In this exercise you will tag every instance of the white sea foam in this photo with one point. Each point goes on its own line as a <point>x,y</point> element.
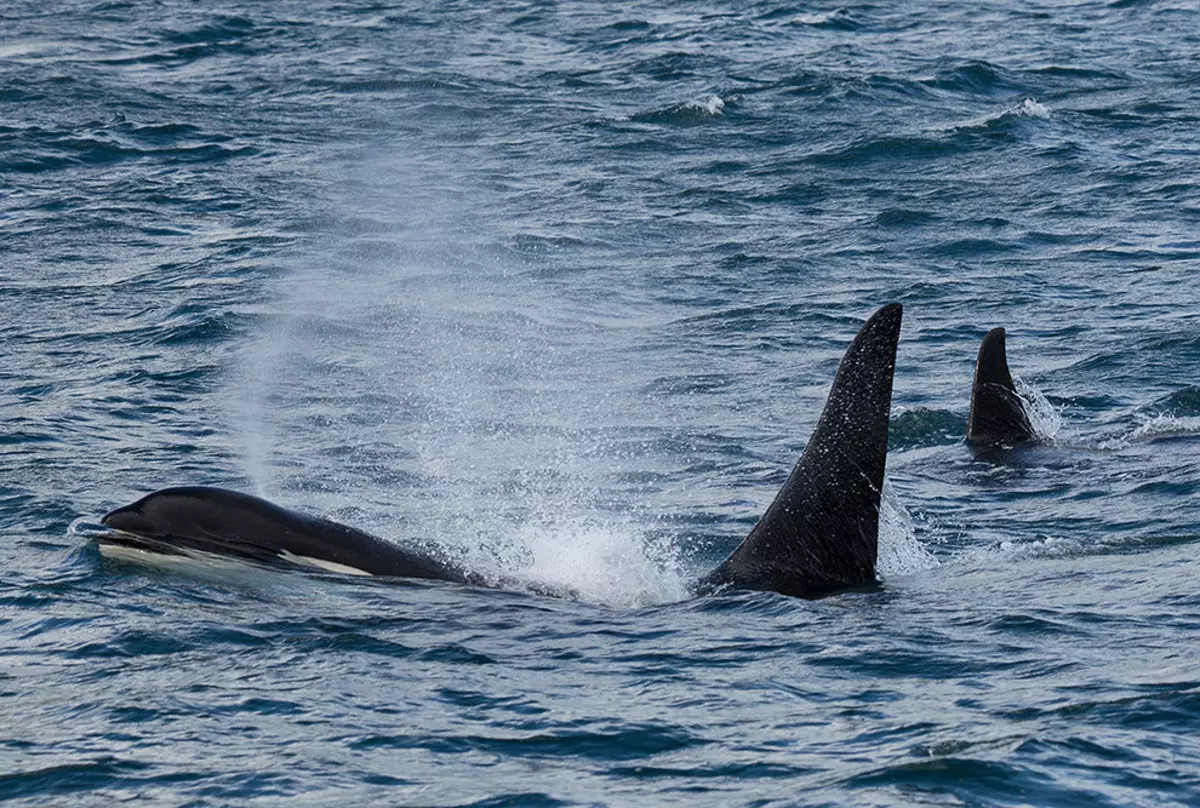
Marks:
<point>1044,417</point>
<point>1030,108</point>
<point>605,564</point>
<point>1041,547</point>
<point>1163,425</point>
<point>713,105</point>
<point>900,551</point>
<point>615,564</point>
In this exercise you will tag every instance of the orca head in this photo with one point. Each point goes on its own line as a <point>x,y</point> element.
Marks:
<point>229,523</point>
<point>190,512</point>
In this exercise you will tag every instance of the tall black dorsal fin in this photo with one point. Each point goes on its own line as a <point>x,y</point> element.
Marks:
<point>821,533</point>
<point>998,416</point>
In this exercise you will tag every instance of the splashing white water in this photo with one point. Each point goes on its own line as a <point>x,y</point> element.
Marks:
<point>713,105</point>
<point>1032,109</point>
<point>1044,417</point>
<point>612,565</point>
<point>900,552</point>
<point>445,395</point>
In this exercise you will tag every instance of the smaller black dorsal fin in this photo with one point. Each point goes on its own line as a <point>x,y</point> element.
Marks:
<point>998,416</point>
<point>821,533</point>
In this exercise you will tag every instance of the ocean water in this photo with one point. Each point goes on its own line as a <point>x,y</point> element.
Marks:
<point>559,289</point>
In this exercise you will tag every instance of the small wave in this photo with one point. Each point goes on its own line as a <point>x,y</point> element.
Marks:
<point>837,20</point>
<point>690,112</point>
<point>885,148</point>
<point>224,36</point>
<point>1030,108</point>
<point>1157,427</point>
<point>713,105</point>
<point>197,328</point>
<point>904,217</point>
<point>679,66</point>
<point>970,248</point>
<point>221,29</point>
<point>1003,124</point>
<point>795,194</point>
<point>1183,403</point>
<point>1049,546</point>
<point>81,776</point>
<point>103,145</point>
<point>1040,547</point>
<point>84,529</point>
<point>976,77</point>
<point>991,781</point>
<point>699,383</point>
<point>628,25</point>
<point>614,743</point>
<point>921,427</point>
<point>987,132</point>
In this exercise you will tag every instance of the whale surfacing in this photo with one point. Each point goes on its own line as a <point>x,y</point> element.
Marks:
<point>216,521</point>
<point>820,535</point>
<point>998,416</point>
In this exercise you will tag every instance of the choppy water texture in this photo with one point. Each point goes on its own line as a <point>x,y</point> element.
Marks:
<point>559,289</point>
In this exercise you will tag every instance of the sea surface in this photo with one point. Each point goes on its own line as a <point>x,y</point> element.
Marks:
<point>558,290</point>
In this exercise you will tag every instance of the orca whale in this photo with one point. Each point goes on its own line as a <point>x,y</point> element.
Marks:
<point>998,416</point>
<point>204,519</point>
<point>820,535</point>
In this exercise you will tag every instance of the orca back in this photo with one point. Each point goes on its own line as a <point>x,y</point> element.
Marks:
<point>998,416</point>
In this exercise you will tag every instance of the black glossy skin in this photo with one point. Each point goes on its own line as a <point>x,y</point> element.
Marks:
<point>820,534</point>
<point>998,416</point>
<point>229,523</point>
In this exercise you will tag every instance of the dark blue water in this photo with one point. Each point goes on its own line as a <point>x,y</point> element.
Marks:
<point>559,289</point>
